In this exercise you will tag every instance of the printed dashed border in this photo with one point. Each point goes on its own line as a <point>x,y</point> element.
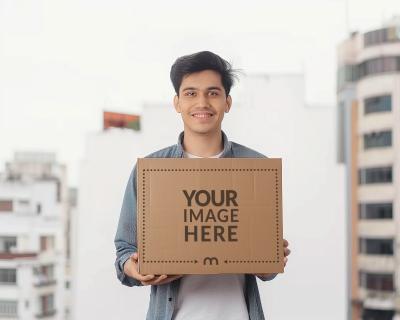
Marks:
<point>209,169</point>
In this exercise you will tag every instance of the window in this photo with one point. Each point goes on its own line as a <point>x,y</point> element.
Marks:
<point>8,308</point>
<point>47,243</point>
<point>393,33</point>
<point>376,281</point>
<point>58,193</point>
<point>376,246</point>
<point>378,104</point>
<point>8,276</point>
<point>6,205</point>
<point>44,275</point>
<point>375,175</point>
<point>378,65</point>
<point>375,210</point>
<point>378,139</point>
<point>47,271</point>
<point>352,73</point>
<point>47,304</point>
<point>7,244</point>
<point>347,73</point>
<point>375,37</point>
<point>386,35</point>
<point>373,314</point>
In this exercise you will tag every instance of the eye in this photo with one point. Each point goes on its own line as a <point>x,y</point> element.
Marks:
<point>190,93</point>
<point>213,93</point>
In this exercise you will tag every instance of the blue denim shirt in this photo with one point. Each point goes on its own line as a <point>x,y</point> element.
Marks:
<point>163,297</point>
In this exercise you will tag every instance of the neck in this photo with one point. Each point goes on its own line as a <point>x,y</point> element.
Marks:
<point>203,145</point>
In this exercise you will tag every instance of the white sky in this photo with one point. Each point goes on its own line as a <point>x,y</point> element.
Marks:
<point>63,62</point>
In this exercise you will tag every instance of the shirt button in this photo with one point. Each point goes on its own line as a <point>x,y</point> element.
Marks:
<point>169,299</point>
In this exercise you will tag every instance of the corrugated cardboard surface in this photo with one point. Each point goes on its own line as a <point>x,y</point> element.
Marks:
<point>239,229</point>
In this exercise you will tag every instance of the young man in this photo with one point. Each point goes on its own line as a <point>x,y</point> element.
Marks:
<point>202,82</point>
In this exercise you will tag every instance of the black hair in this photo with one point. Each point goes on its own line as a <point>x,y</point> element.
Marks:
<point>204,60</point>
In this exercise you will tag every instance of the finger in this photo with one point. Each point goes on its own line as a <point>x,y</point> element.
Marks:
<point>145,278</point>
<point>285,260</point>
<point>286,251</point>
<point>155,280</point>
<point>285,243</point>
<point>158,281</point>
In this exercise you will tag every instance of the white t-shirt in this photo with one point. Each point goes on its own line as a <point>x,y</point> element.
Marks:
<point>211,297</point>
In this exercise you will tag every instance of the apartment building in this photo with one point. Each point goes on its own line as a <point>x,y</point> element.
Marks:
<point>368,94</point>
<point>33,212</point>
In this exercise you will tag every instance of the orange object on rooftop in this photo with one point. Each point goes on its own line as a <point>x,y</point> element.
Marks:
<point>120,120</point>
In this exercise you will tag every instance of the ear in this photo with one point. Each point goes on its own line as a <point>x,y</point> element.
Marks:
<point>176,104</point>
<point>228,103</point>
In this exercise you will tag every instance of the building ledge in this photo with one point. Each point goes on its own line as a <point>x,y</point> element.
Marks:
<point>20,255</point>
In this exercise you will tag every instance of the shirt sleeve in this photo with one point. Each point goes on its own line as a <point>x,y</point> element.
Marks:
<point>125,239</point>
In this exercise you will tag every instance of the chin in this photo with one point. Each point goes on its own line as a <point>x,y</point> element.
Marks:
<point>203,130</point>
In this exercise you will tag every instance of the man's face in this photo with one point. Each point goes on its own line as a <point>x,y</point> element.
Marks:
<point>202,102</point>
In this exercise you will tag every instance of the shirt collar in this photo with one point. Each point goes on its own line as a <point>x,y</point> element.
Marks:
<point>226,153</point>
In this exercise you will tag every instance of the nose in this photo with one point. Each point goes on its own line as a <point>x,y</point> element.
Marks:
<point>203,100</point>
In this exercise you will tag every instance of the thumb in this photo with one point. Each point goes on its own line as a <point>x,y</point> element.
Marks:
<point>135,256</point>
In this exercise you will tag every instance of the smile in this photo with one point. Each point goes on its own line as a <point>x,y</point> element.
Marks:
<point>202,115</point>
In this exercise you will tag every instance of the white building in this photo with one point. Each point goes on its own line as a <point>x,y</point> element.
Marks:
<point>369,144</point>
<point>269,115</point>
<point>32,239</point>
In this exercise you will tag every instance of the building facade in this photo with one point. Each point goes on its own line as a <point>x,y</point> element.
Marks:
<point>368,94</point>
<point>33,211</point>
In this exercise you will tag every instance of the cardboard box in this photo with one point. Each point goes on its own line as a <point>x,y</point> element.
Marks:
<point>208,216</point>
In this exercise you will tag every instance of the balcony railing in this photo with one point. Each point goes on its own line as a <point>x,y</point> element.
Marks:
<point>377,263</point>
<point>46,314</point>
<point>43,281</point>
<point>377,294</point>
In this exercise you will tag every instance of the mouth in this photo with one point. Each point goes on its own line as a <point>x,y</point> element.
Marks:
<point>202,115</point>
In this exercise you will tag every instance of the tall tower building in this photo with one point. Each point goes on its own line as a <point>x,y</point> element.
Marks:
<point>368,94</point>
<point>33,211</point>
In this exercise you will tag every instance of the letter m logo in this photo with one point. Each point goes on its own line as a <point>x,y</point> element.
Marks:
<point>210,261</point>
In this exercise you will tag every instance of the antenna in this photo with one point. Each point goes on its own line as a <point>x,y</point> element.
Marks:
<point>347,23</point>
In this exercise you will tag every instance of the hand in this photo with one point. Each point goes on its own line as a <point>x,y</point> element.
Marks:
<point>131,270</point>
<point>286,252</point>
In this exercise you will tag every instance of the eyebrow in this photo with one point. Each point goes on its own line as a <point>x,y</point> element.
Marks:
<point>209,88</point>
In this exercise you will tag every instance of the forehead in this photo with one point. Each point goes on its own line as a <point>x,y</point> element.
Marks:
<point>202,80</point>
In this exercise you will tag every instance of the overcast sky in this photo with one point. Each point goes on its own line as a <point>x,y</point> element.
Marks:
<point>63,62</point>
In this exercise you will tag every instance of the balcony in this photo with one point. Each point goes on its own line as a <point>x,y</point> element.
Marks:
<point>44,283</point>
<point>46,314</point>
<point>376,263</point>
<point>42,280</point>
<point>381,300</point>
